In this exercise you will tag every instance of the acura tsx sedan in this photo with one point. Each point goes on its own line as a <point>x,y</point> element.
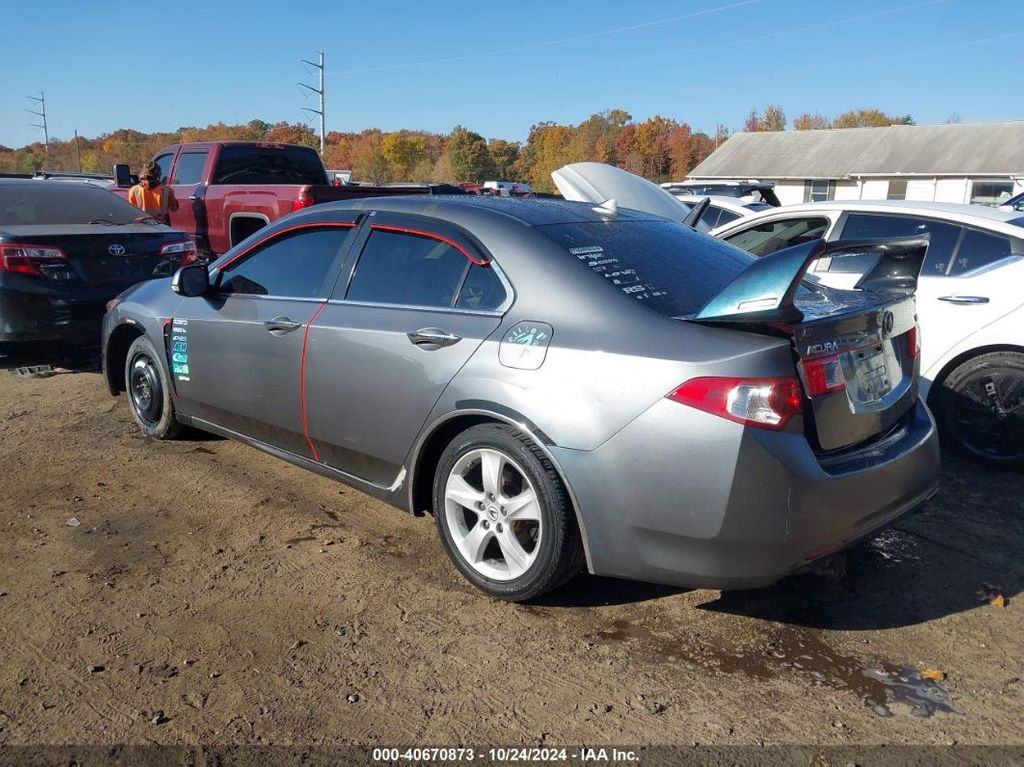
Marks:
<point>557,383</point>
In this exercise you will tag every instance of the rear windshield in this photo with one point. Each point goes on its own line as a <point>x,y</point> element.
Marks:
<point>269,165</point>
<point>61,202</point>
<point>668,267</point>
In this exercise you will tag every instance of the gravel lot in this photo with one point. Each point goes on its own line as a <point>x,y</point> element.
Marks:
<point>202,592</point>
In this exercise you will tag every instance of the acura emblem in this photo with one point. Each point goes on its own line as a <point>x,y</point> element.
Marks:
<point>116,250</point>
<point>887,323</point>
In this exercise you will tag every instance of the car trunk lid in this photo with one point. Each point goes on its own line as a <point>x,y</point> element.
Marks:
<point>101,254</point>
<point>855,352</point>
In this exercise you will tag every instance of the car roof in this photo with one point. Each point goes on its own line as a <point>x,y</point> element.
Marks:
<point>722,201</point>
<point>1005,221</point>
<point>36,183</point>
<point>468,209</point>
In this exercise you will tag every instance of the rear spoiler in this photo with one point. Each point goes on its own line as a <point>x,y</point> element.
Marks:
<point>764,292</point>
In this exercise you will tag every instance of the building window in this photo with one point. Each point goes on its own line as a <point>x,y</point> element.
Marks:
<point>897,190</point>
<point>991,192</point>
<point>819,190</point>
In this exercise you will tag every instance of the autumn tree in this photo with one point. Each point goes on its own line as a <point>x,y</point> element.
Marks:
<point>808,121</point>
<point>404,152</point>
<point>773,119</point>
<point>503,156</point>
<point>870,118</point>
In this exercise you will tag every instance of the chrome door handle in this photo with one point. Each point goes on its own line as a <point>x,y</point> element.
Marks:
<point>432,337</point>
<point>965,299</point>
<point>281,325</point>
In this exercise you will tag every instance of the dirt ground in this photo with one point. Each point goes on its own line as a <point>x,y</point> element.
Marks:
<point>200,592</point>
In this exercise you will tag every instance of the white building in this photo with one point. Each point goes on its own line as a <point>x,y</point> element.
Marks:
<point>980,163</point>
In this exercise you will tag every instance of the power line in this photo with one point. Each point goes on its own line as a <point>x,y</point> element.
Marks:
<point>320,92</point>
<point>41,99</point>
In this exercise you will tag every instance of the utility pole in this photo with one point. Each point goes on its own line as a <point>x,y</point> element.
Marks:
<point>41,99</point>
<point>320,92</point>
<point>78,151</point>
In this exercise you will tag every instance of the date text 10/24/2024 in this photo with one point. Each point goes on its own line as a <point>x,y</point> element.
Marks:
<point>505,754</point>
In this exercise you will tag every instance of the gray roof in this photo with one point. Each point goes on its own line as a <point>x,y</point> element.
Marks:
<point>978,149</point>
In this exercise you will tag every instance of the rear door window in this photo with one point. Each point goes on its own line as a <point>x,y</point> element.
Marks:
<point>482,290</point>
<point>407,269</point>
<point>299,264</point>
<point>668,267</point>
<point>980,249</point>
<point>269,164</point>
<point>860,226</point>
<point>770,236</point>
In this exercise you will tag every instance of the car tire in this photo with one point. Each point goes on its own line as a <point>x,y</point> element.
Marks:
<point>149,391</point>
<point>981,408</point>
<point>503,515</point>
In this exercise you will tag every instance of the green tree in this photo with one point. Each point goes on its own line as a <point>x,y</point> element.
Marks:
<point>468,155</point>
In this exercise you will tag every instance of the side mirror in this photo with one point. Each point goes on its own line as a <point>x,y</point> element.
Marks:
<point>191,281</point>
<point>122,175</point>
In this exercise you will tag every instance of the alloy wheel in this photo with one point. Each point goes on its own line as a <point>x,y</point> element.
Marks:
<point>493,513</point>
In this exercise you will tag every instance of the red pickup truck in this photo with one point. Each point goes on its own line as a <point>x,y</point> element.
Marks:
<point>226,190</point>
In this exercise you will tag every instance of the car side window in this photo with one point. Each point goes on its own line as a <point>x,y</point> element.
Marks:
<point>771,236</point>
<point>709,219</point>
<point>190,168</point>
<point>164,161</point>
<point>407,269</point>
<point>860,226</point>
<point>726,217</point>
<point>482,290</point>
<point>294,265</point>
<point>980,249</point>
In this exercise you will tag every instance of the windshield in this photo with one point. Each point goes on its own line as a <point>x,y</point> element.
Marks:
<point>51,202</point>
<point>668,267</point>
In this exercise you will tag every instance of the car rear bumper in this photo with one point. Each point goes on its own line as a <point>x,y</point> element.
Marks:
<point>43,312</point>
<point>685,498</point>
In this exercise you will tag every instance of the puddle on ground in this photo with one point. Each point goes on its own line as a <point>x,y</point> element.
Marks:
<point>802,653</point>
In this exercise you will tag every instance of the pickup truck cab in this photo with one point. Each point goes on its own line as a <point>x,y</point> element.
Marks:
<point>226,190</point>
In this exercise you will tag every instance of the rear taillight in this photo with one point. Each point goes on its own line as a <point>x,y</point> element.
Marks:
<point>823,375</point>
<point>304,200</point>
<point>914,342</point>
<point>186,248</point>
<point>766,403</point>
<point>30,259</point>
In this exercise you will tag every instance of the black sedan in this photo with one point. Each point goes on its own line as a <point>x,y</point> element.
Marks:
<point>68,248</point>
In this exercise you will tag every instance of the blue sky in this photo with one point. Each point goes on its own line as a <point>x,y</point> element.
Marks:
<point>498,67</point>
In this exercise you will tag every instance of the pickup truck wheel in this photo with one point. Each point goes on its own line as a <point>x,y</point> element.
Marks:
<point>503,515</point>
<point>981,408</point>
<point>149,391</point>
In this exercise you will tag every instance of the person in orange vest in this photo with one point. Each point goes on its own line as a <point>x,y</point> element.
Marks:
<point>152,195</point>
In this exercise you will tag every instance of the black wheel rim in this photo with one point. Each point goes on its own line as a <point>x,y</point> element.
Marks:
<point>146,390</point>
<point>987,413</point>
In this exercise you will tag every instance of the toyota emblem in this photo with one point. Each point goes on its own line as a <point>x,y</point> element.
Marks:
<point>116,250</point>
<point>887,323</point>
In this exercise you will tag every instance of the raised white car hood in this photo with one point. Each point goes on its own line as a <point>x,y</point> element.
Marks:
<point>596,183</point>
